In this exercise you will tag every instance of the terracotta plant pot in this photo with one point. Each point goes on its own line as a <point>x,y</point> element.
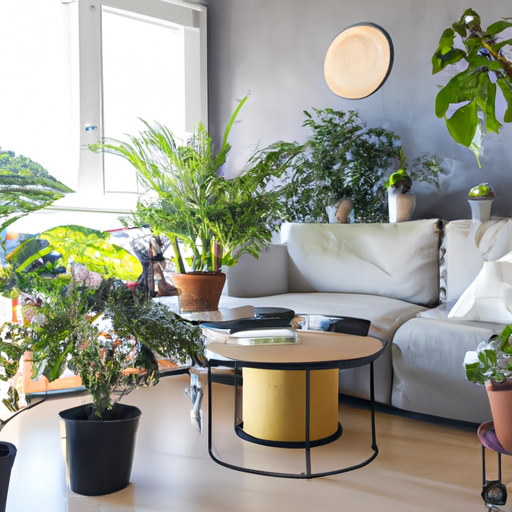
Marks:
<point>500,399</point>
<point>199,291</point>
<point>343,209</point>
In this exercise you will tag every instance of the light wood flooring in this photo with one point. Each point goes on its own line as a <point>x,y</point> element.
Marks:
<point>421,466</point>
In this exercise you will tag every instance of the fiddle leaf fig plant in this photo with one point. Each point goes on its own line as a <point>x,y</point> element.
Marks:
<point>473,90</point>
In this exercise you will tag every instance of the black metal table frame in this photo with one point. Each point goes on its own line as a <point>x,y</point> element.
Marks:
<point>307,367</point>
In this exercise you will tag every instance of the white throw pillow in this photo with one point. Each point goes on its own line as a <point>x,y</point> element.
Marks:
<point>489,297</point>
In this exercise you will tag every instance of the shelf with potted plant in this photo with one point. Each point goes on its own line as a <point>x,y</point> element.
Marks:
<point>209,219</point>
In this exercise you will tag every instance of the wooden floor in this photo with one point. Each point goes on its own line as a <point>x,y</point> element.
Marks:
<point>421,466</point>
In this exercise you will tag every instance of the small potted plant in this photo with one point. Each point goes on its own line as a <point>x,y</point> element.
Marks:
<point>480,200</point>
<point>109,336</point>
<point>209,219</point>
<point>401,201</point>
<point>491,365</point>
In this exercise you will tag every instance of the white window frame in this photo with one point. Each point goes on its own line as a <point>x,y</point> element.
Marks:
<point>91,195</point>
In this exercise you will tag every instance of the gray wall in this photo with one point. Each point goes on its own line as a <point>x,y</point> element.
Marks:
<point>276,48</point>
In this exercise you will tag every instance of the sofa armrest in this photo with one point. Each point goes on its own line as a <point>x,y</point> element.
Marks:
<point>267,275</point>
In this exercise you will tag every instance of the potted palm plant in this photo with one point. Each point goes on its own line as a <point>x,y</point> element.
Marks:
<point>209,219</point>
<point>473,91</point>
<point>491,365</point>
<point>108,335</point>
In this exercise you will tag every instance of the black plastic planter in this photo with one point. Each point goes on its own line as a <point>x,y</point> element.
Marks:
<point>7,456</point>
<point>100,453</point>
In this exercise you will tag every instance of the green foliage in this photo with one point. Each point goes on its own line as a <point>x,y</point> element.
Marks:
<point>425,168</point>
<point>492,360</point>
<point>342,158</point>
<point>108,336</point>
<point>74,244</point>
<point>12,347</point>
<point>215,218</point>
<point>473,90</point>
<point>25,186</point>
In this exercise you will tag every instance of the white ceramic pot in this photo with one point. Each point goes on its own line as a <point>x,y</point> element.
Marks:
<point>401,206</point>
<point>480,209</point>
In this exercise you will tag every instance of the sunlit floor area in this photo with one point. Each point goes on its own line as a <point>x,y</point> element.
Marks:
<point>421,466</point>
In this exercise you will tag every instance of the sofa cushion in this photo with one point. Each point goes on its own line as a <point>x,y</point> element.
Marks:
<point>391,260</point>
<point>467,246</point>
<point>265,275</point>
<point>489,297</point>
<point>428,376</point>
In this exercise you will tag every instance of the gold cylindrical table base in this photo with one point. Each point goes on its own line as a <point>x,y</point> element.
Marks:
<point>274,404</point>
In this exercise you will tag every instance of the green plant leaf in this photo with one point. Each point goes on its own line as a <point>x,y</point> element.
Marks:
<point>27,252</point>
<point>497,27</point>
<point>485,99</point>
<point>93,249</point>
<point>445,53</point>
<point>25,186</point>
<point>462,125</point>
<point>506,89</point>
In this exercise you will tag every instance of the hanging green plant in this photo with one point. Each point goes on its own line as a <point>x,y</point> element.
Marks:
<point>25,186</point>
<point>473,90</point>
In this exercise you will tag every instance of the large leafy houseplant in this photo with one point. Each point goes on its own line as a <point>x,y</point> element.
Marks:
<point>108,335</point>
<point>25,187</point>
<point>342,158</point>
<point>473,90</point>
<point>214,218</point>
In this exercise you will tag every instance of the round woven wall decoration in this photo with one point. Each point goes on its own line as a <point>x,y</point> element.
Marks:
<point>359,61</point>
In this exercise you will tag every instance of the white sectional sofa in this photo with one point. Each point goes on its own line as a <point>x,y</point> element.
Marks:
<point>402,277</point>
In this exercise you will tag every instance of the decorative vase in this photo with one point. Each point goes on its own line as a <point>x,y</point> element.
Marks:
<point>480,209</point>
<point>343,209</point>
<point>199,291</point>
<point>99,454</point>
<point>7,456</point>
<point>500,400</point>
<point>400,206</point>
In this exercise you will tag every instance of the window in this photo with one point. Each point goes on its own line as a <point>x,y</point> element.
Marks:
<point>81,70</point>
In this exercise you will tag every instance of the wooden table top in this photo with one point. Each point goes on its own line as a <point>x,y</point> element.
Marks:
<point>315,348</point>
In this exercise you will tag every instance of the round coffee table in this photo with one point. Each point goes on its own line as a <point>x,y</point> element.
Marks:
<point>316,351</point>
